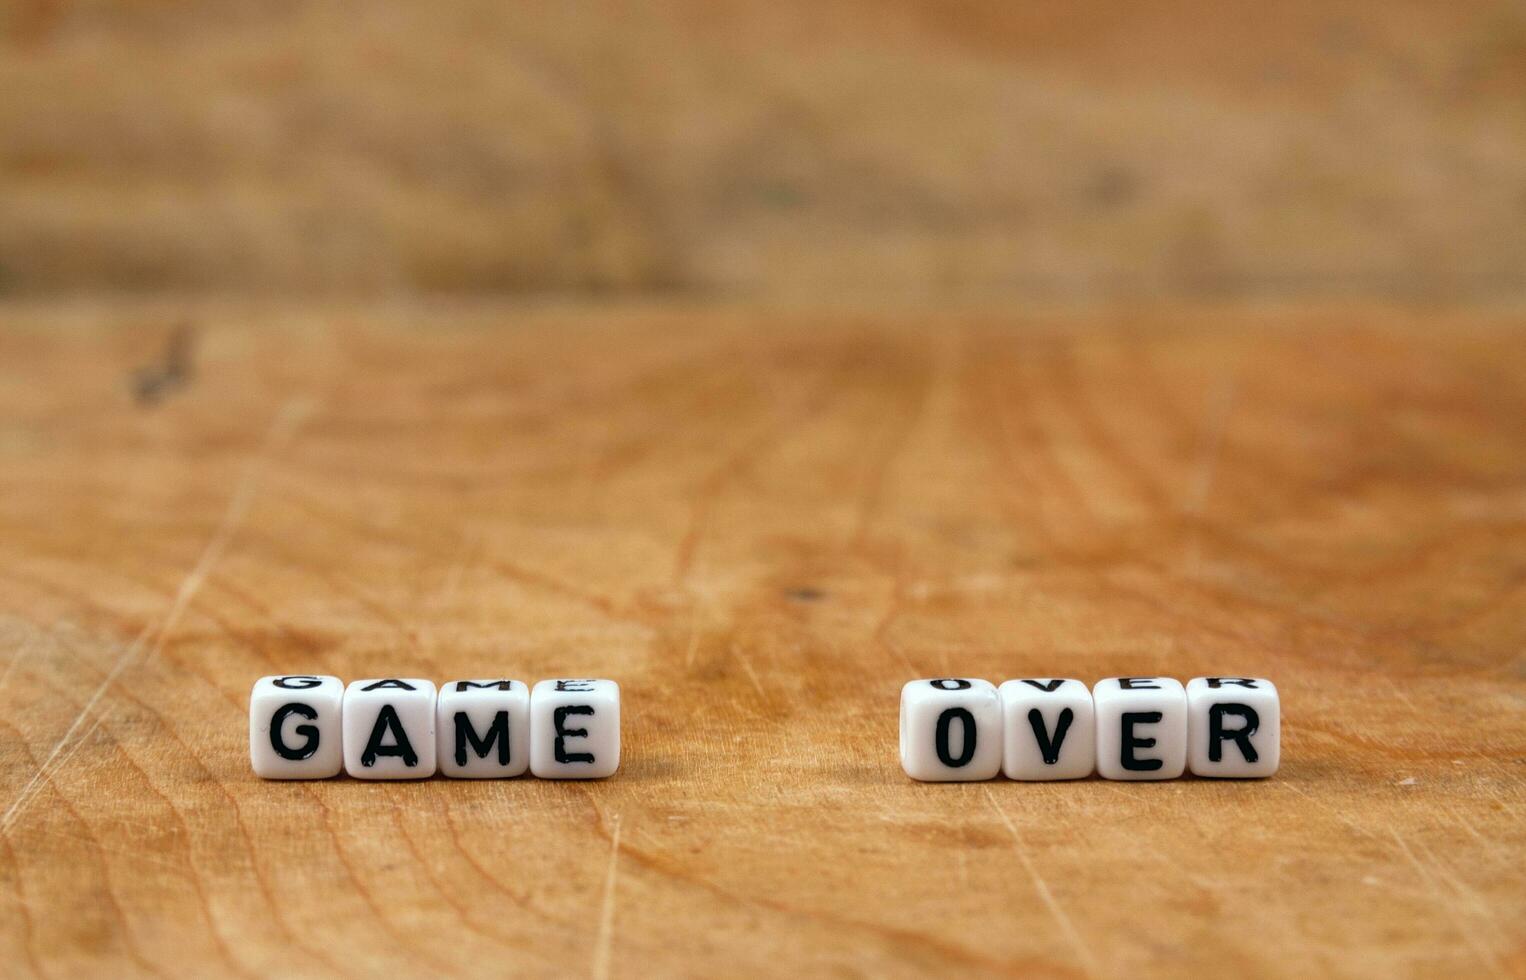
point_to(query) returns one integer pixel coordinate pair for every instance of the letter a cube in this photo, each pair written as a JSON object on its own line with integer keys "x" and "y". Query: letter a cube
{"x": 389, "y": 728}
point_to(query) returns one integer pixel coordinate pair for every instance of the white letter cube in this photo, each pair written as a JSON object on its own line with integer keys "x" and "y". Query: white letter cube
{"x": 294, "y": 729}
{"x": 574, "y": 728}
{"x": 389, "y": 728}
{"x": 1050, "y": 729}
{"x": 1234, "y": 727}
{"x": 1141, "y": 728}
{"x": 483, "y": 729}
{"x": 951, "y": 729}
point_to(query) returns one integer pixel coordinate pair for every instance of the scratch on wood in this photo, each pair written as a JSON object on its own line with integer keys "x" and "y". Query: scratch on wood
{"x": 1434, "y": 881}
{"x": 747, "y": 453}
{"x": 447, "y": 591}
{"x": 693, "y": 645}
{"x": 747, "y": 666}
{"x": 1067, "y": 928}
{"x": 23, "y": 797}
{"x": 899, "y": 433}
{"x": 1460, "y": 886}
{"x": 1340, "y": 816}
{"x": 893, "y": 607}
{"x": 1208, "y": 465}
{"x": 15, "y": 659}
{"x": 606, "y": 934}
{"x": 1488, "y": 844}
{"x": 285, "y": 424}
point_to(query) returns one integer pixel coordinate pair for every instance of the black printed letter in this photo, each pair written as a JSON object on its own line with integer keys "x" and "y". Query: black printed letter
{"x": 1050, "y": 749}
{"x": 1130, "y": 743}
{"x": 498, "y": 732}
{"x": 387, "y": 720}
{"x": 558, "y": 720}
{"x": 1218, "y": 734}
{"x": 309, "y": 732}
{"x": 297, "y": 682}
{"x": 500, "y": 685}
{"x": 940, "y": 737}
{"x": 390, "y": 682}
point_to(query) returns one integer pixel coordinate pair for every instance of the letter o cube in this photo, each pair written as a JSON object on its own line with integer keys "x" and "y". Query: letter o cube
{"x": 1050, "y": 731}
{"x": 1234, "y": 727}
{"x": 1141, "y": 728}
{"x": 574, "y": 728}
{"x": 294, "y": 727}
{"x": 389, "y": 728}
{"x": 951, "y": 729}
{"x": 483, "y": 729}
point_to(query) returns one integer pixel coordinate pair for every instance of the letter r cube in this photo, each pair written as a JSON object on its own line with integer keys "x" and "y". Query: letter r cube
{"x": 1234, "y": 727}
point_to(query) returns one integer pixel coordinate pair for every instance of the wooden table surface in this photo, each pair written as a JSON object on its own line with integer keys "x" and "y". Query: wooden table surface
{"x": 761, "y": 525}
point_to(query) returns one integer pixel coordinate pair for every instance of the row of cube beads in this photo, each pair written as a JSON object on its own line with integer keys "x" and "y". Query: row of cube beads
{"x": 310, "y": 726}
{"x": 956, "y": 729}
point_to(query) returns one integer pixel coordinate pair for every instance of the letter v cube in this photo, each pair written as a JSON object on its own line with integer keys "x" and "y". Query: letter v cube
{"x": 1049, "y": 729}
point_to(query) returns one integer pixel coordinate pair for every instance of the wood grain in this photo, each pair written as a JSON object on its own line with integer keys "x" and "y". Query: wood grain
{"x": 761, "y": 525}
{"x": 1047, "y": 151}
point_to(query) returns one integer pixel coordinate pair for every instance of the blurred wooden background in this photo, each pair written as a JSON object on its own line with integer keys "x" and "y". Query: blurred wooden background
{"x": 921, "y": 149}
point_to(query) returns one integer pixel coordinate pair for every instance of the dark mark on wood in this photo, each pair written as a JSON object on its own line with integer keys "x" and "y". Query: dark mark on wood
{"x": 152, "y": 382}
{"x": 806, "y": 594}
